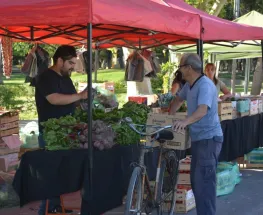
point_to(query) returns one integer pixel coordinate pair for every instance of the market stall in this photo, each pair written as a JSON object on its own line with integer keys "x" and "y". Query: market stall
{"x": 111, "y": 28}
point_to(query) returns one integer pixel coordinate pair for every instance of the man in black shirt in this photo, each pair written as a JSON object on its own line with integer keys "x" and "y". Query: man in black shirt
{"x": 55, "y": 97}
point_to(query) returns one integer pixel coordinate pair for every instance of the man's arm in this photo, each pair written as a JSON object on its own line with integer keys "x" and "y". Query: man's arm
{"x": 62, "y": 99}
{"x": 175, "y": 105}
{"x": 197, "y": 115}
{"x": 204, "y": 101}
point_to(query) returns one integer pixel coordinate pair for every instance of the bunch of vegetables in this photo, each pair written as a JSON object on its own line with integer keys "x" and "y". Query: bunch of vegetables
{"x": 124, "y": 135}
{"x": 68, "y": 133}
{"x": 71, "y": 132}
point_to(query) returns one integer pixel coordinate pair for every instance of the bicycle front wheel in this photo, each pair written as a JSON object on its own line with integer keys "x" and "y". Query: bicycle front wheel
{"x": 166, "y": 192}
{"x": 134, "y": 197}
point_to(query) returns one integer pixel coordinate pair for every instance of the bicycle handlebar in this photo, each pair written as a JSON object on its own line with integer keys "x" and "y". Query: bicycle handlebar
{"x": 128, "y": 120}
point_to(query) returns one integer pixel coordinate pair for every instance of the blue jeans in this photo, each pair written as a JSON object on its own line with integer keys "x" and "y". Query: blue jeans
{"x": 53, "y": 202}
{"x": 204, "y": 162}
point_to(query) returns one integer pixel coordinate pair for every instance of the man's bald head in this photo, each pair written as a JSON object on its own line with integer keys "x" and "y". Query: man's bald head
{"x": 192, "y": 60}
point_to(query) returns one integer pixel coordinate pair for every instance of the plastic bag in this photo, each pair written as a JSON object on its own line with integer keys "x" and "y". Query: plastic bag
{"x": 29, "y": 135}
{"x": 106, "y": 98}
{"x": 8, "y": 196}
{"x": 228, "y": 176}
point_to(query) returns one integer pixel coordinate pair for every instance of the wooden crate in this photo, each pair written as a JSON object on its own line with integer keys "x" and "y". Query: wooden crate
{"x": 225, "y": 108}
{"x": 227, "y": 116}
{"x": 6, "y": 126}
{"x": 7, "y": 117}
{"x": 9, "y": 132}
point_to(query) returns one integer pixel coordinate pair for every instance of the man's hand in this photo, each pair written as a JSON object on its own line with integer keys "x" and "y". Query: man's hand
{"x": 83, "y": 95}
{"x": 179, "y": 126}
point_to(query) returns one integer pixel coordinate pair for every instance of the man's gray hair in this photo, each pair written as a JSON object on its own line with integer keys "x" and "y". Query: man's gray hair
{"x": 194, "y": 61}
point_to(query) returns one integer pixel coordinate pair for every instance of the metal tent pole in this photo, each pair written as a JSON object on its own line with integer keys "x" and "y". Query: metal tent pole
{"x": 89, "y": 88}
{"x": 200, "y": 51}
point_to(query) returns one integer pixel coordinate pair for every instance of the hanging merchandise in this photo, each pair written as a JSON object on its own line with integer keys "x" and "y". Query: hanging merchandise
{"x": 154, "y": 62}
{"x": 80, "y": 65}
{"x": 7, "y": 52}
{"x": 36, "y": 62}
{"x": 134, "y": 67}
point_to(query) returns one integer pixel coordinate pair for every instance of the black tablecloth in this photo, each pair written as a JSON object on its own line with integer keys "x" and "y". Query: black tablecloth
{"x": 44, "y": 174}
{"x": 241, "y": 136}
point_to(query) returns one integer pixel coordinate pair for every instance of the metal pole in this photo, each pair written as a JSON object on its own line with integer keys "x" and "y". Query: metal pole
{"x": 200, "y": 51}
{"x": 89, "y": 88}
{"x": 247, "y": 75}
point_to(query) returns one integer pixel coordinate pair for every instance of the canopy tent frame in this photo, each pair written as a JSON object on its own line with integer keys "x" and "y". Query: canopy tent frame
{"x": 93, "y": 20}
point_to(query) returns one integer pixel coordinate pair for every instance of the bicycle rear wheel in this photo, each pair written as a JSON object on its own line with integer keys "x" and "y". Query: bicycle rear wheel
{"x": 134, "y": 195}
{"x": 166, "y": 192}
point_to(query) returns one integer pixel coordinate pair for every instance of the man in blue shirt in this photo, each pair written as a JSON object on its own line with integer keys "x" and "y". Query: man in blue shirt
{"x": 205, "y": 131}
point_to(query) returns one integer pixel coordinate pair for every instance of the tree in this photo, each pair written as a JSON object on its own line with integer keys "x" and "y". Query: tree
{"x": 212, "y": 7}
{"x": 21, "y": 49}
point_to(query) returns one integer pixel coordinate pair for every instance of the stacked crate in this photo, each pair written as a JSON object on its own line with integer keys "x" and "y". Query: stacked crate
{"x": 225, "y": 110}
{"x": 185, "y": 200}
{"x": 9, "y": 140}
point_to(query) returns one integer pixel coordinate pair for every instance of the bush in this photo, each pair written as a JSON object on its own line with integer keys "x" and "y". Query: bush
{"x": 163, "y": 80}
{"x": 18, "y": 97}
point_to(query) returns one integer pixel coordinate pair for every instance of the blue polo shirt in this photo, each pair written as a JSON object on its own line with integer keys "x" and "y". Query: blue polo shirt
{"x": 203, "y": 92}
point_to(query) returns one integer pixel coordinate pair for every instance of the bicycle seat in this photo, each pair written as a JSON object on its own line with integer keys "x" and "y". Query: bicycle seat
{"x": 164, "y": 135}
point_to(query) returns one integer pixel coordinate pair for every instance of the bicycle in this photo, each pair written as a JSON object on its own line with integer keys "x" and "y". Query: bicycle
{"x": 137, "y": 200}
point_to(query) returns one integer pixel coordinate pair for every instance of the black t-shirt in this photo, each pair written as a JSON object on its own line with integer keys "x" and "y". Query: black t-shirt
{"x": 47, "y": 83}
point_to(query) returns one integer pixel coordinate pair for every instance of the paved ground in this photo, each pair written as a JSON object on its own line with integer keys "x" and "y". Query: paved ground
{"x": 245, "y": 200}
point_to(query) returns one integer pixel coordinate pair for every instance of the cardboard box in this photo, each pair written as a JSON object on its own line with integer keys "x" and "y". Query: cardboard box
{"x": 184, "y": 192}
{"x": 185, "y": 164}
{"x": 184, "y": 177}
{"x": 10, "y": 144}
{"x": 260, "y": 106}
{"x": 253, "y": 107}
{"x": 139, "y": 99}
{"x": 243, "y": 114}
{"x": 180, "y": 141}
{"x": 185, "y": 206}
{"x": 9, "y": 162}
{"x": 185, "y": 200}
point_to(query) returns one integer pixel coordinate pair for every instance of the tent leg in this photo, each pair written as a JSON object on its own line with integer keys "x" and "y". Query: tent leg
{"x": 200, "y": 50}
{"x": 89, "y": 88}
{"x": 262, "y": 53}
{"x": 247, "y": 75}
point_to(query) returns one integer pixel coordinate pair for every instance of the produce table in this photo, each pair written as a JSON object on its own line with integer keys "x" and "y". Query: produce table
{"x": 43, "y": 174}
{"x": 241, "y": 136}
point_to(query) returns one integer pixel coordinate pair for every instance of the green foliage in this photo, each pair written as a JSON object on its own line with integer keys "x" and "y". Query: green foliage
{"x": 120, "y": 87}
{"x": 21, "y": 49}
{"x": 168, "y": 69}
{"x": 163, "y": 80}
{"x": 57, "y": 133}
{"x": 125, "y": 135}
{"x": 18, "y": 97}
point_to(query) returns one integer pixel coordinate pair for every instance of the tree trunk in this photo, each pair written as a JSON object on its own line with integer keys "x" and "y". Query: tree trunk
{"x": 96, "y": 67}
{"x": 1, "y": 75}
{"x": 217, "y": 7}
{"x": 257, "y": 78}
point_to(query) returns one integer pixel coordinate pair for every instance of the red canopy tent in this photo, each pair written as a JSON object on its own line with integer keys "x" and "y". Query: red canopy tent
{"x": 217, "y": 29}
{"x": 52, "y": 20}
